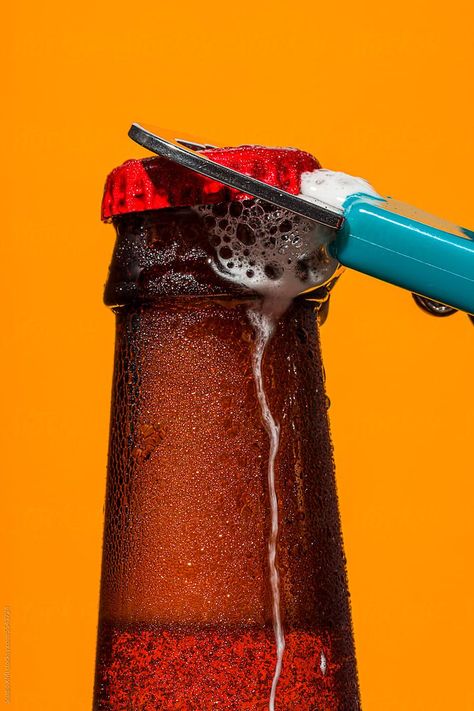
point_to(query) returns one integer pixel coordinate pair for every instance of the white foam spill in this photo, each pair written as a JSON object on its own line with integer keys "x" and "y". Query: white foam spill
{"x": 264, "y": 326}
{"x": 333, "y": 187}
{"x": 269, "y": 250}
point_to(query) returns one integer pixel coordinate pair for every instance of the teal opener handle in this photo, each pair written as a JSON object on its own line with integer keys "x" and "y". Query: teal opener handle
{"x": 407, "y": 247}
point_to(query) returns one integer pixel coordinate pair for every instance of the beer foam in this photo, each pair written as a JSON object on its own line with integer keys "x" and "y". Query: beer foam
{"x": 333, "y": 187}
{"x": 273, "y": 251}
{"x": 269, "y": 250}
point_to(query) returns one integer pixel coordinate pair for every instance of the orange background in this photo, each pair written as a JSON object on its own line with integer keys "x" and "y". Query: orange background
{"x": 380, "y": 90}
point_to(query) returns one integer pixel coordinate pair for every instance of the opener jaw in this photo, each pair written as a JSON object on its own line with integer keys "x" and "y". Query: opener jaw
{"x": 184, "y": 152}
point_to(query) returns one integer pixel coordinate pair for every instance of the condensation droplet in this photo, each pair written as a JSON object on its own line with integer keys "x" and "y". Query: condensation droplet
{"x": 323, "y": 663}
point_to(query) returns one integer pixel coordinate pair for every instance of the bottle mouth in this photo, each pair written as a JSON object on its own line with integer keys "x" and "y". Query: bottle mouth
{"x": 157, "y": 183}
{"x": 243, "y": 248}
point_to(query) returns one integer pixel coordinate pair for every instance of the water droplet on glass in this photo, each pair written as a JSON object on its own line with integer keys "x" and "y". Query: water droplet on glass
{"x": 435, "y": 308}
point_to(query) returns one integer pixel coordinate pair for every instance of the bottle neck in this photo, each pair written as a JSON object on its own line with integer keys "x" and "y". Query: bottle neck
{"x": 188, "y": 434}
{"x": 221, "y": 521}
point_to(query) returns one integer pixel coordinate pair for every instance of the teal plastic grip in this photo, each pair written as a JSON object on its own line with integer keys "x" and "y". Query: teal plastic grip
{"x": 409, "y": 248}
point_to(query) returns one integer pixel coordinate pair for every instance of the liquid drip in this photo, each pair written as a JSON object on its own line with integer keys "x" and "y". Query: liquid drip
{"x": 278, "y": 255}
{"x": 264, "y": 325}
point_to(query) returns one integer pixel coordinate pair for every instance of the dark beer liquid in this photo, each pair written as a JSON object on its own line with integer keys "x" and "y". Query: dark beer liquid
{"x": 223, "y": 574}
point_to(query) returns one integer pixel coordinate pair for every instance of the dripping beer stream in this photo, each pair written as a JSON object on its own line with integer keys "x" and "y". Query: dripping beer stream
{"x": 264, "y": 326}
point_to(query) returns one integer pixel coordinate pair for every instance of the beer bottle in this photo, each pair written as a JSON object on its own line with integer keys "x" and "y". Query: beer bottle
{"x": 223, "y": 573}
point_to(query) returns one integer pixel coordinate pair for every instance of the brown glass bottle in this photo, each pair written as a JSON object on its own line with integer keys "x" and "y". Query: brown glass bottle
{"x": 186, "y": 609}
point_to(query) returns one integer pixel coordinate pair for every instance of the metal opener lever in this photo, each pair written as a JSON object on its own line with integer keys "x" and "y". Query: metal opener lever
{"x": 378, "y": 236}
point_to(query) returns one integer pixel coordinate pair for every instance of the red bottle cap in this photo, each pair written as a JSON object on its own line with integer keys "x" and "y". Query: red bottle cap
{"x": 155, "y": 183}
